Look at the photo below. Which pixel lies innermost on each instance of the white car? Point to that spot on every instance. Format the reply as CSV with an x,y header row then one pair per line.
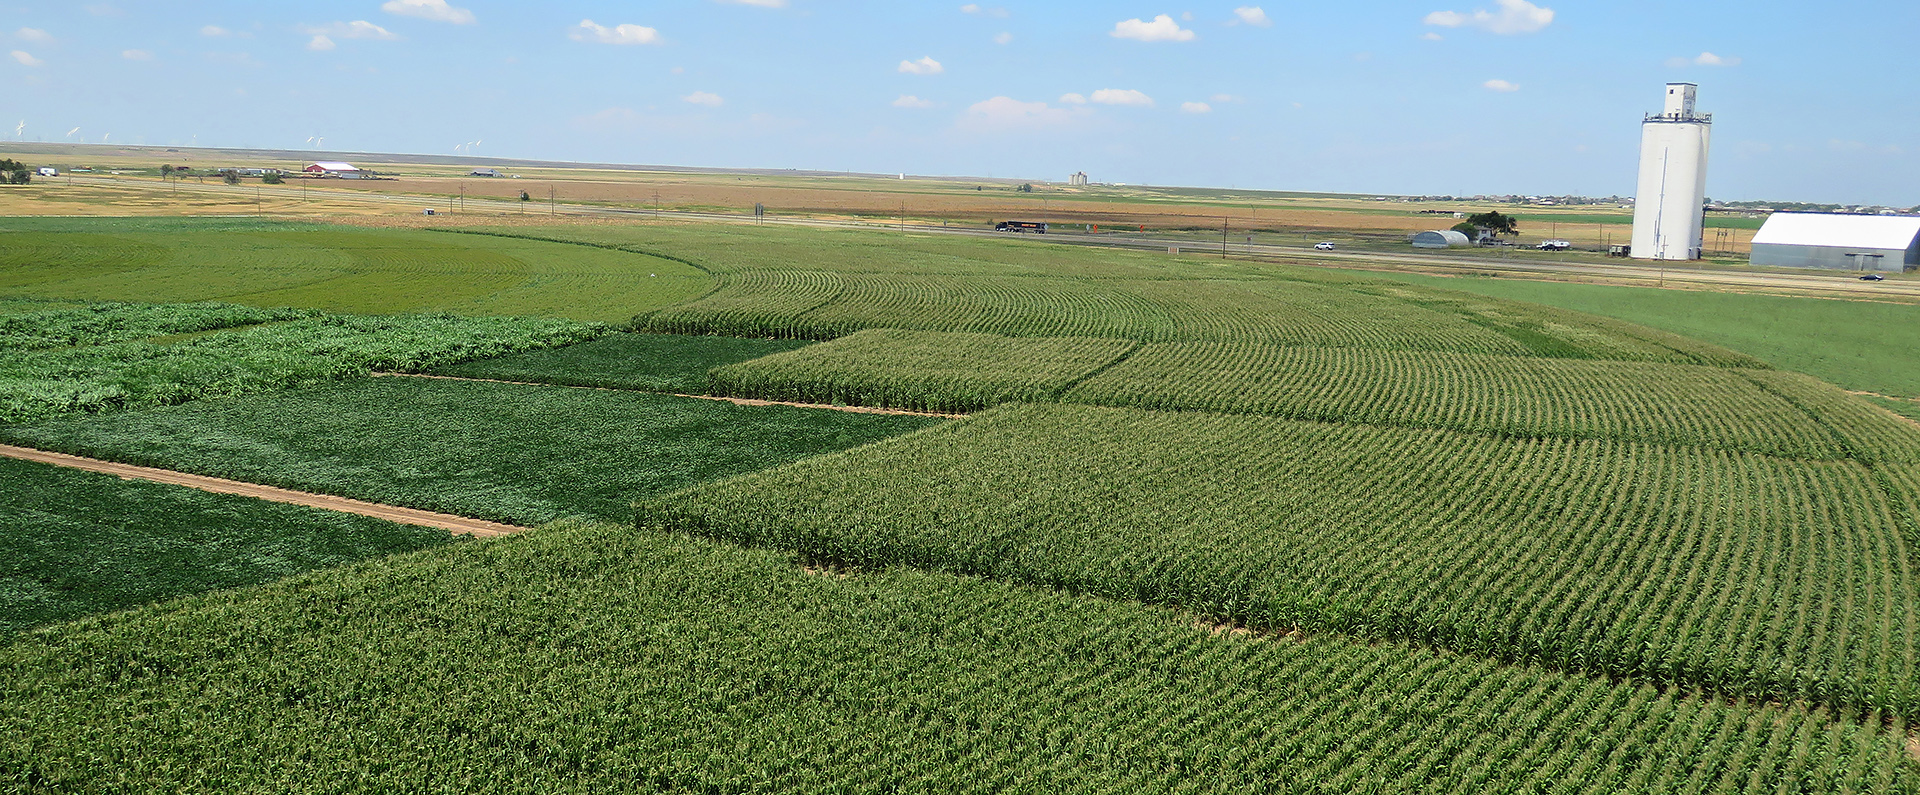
x,y
1323,247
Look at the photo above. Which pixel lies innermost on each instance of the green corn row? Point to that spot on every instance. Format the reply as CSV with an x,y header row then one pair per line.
x,y
928,371
1752,410
601,660
1746,575
811,303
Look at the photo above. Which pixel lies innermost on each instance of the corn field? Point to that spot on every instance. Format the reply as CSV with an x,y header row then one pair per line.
x,y
1743,575
598,660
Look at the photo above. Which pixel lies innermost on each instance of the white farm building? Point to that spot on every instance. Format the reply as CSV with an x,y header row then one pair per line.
x,y
1838,242
1441,238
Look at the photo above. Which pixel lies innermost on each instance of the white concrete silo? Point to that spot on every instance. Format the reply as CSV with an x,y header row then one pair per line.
x,y
1670,205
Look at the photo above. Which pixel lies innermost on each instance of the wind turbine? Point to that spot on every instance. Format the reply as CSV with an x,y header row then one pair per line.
x,y
20,128
73,132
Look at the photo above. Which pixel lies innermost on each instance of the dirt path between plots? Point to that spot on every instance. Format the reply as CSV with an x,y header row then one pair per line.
x,y
734,400
458,525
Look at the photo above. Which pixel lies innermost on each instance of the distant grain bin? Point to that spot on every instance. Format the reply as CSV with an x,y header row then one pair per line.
x,y
1440,238
1670,204
1077,179
1838,242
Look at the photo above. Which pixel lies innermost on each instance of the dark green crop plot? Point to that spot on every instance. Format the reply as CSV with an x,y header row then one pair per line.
x,y
598,660
163,371
1746,575
507,452
96,324
929,371
651,362
74,543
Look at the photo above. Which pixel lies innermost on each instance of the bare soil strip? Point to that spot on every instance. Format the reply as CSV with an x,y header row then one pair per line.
x,y
458,525
734,400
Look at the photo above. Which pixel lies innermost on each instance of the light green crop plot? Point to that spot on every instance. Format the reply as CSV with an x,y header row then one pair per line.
x,y
339,269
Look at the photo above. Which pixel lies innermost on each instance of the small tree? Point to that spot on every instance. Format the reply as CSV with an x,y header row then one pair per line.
x,y
1472,232
14,172
525,197
1495,223
166,171
230,177
273,179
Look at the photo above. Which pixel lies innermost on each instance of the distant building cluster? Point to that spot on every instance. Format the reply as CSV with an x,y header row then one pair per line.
x,y
1078,179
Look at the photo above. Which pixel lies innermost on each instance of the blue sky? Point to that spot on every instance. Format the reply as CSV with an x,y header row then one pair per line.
x,y
1812,101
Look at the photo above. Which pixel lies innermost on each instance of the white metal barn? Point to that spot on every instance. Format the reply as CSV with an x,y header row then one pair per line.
x,y
1839,242
1441,238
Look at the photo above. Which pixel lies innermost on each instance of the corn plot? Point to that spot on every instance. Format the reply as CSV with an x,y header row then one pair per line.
x,y
929,371
600,660
93,378
1745,575
813,303
1635,401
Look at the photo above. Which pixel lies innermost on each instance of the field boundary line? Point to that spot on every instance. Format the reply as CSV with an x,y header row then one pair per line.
x,y
458,525
720,398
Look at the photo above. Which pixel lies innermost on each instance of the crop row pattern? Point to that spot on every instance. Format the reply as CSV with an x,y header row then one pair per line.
x,y
600,660
1747,575
929,371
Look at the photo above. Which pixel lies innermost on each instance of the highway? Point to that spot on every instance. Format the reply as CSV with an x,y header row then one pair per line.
x,y
1821,283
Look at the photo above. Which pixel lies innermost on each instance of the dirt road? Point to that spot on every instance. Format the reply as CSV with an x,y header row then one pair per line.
x,y
458,525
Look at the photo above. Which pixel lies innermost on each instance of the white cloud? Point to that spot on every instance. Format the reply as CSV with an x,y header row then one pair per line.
x,y
1512,16
1432,36
436,10
704,98
1223,98
1073,99
1003,37
974,8
33,34
1195,107
136,55
320,44
760,3
26,58
588,30
214,31
1162,28
924,66
911,101
970,8
1253,15
1501,86
1703,59
1121,96
1000,113
357,29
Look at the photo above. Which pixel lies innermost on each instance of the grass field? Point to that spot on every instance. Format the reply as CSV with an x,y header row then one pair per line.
x,y
333,268
650,362
77,543
596,660
1857,344
518,454
1657,564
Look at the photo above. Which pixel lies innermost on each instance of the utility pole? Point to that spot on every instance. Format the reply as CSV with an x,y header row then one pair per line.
x,y
1223,238
552,203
